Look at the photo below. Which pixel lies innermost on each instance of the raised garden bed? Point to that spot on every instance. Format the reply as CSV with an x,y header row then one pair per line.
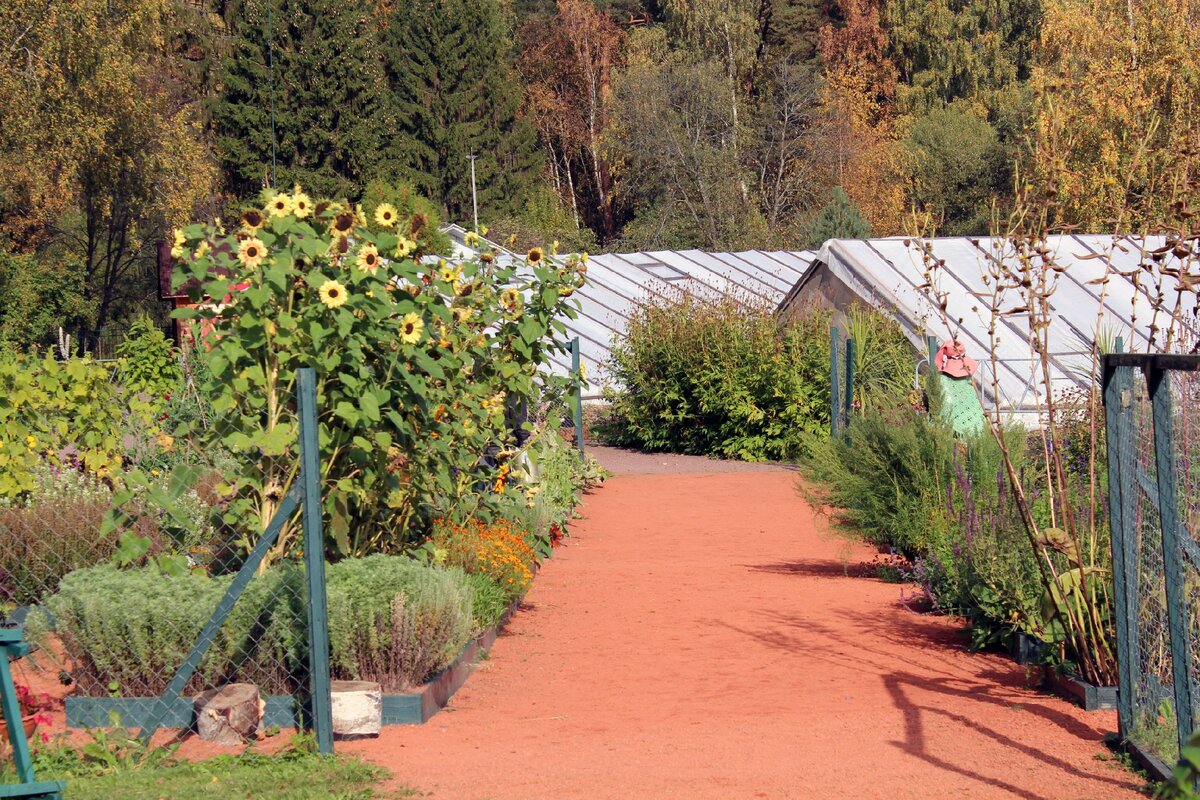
x,y
1090,697
286,711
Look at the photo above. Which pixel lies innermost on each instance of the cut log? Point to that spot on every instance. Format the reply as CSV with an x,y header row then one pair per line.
x,y
357,708
229,714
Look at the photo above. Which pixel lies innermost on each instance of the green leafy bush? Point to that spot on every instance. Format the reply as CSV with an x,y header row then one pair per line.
x,y
149,361
720,377
490,601
395,620
391,619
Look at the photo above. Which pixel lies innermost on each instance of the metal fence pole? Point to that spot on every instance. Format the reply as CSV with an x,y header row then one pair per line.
x,y
848,398
1159,381
1119,435
835,402
314,560
577,410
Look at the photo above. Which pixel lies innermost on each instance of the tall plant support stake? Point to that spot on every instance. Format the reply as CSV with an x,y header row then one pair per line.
x,y
1159,381
314,560
577,405
835,400
1122,504
11,646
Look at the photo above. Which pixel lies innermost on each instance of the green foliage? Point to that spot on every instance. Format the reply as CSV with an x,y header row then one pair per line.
x,y
396,621
116,764
414,363
149,361
543,219
1182,785
391,619
315,118
66,413
884,361
722,378
840,219
958,165
35,297
454,96
489,601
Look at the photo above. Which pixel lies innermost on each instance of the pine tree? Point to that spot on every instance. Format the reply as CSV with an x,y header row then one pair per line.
x,y
838,220
452,93
321,96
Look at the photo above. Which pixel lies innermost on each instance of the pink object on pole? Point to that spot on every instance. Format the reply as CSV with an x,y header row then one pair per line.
x,y
952,359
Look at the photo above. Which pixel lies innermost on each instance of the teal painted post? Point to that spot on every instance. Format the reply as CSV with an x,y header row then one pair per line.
x,y
577,406
1159,382
291,501
11,646
1118,415
931,343
835,400
314,560
848,398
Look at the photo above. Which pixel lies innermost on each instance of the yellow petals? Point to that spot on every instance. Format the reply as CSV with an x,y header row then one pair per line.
x,y
333,294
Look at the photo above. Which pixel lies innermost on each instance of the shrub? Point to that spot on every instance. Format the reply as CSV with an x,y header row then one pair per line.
x,y
149,361
722,378
396,621
391,620
497,549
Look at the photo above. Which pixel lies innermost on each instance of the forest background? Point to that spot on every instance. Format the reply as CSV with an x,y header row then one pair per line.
x,y
602,124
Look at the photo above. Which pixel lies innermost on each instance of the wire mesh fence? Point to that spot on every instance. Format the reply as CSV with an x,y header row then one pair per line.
x,y
1154,452
185,575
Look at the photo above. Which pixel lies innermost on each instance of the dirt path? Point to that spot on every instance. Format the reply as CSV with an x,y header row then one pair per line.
x,y
698,638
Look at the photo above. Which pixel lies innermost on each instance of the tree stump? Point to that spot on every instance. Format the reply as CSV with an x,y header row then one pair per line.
x,y
357,708
229,714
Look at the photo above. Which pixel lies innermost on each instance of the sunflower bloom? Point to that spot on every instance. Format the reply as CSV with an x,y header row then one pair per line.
x,y
448,274
280,205
510,299
534,255
460,313
404,247
411,328
301,204
333,294
343,223
253,220
177,247
386,214
368,259
251,252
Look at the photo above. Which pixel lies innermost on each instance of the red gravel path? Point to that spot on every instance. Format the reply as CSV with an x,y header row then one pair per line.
x,y
698,638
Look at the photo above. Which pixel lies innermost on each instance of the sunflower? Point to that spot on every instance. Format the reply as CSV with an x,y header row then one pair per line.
x,y
510,299
333,294
280,205
583,256
447,273
464,288
343,223
252,220
411,327
202,250
404,247
368,259
177,247
251,252
534,255
385,214
460,313
301,204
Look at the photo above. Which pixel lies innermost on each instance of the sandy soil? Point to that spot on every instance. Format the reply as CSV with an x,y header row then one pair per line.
x,y
698,637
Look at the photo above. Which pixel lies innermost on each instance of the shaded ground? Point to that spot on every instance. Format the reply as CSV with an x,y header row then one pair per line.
x,y
698,638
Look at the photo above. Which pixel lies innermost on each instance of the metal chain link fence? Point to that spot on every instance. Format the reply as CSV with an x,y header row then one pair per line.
x,y
119,541
1154,480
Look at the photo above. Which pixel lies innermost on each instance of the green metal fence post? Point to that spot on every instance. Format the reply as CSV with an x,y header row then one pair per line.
x,y
578,404
1159,381
931,343
1119,434
12,646
835,401
314,559
848,398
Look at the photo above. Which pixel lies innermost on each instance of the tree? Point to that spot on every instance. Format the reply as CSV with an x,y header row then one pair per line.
x,y
453,94
957,166
107,153
838,220
566,64
793,30
673,134
301,98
